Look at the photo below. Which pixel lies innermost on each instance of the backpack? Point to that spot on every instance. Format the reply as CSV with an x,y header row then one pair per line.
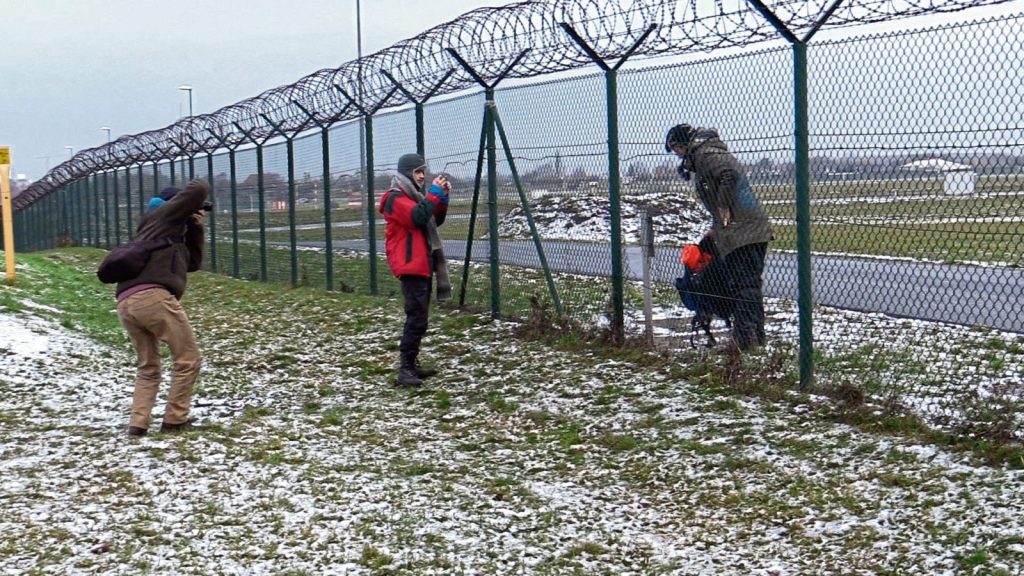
x,y
127,261
704,288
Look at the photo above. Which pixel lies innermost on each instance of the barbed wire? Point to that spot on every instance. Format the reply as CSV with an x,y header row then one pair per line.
x,y
519,40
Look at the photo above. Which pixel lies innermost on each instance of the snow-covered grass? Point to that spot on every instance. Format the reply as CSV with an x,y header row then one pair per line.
x,y
963,380
520,458
676,218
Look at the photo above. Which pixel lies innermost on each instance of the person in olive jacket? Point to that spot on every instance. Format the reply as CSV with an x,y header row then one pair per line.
x,y
415,254
740,228
150,310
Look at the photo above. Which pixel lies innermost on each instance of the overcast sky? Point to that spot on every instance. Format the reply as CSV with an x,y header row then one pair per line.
x,y
68,67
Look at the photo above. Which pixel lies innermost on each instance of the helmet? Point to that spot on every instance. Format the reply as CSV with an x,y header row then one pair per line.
x,y
678,135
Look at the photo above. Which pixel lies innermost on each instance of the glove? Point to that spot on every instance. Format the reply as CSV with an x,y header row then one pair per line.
x,y
437,195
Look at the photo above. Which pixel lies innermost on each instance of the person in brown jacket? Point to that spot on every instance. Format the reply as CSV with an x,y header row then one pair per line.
x,y
150,310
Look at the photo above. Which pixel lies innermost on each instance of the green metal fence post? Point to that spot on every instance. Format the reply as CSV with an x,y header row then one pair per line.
x,y
41,229
234,213
492,170
46,222
614,178
37,223
172,162
325,150
18,242
58,218
801,135
117,210
33,225
76,206
232,169
128,198
142,191
526,210
418,104
371,212
106,210
803,216
156,177
29,228
96,208
260,199
67,213
371,208
492,205
83,210
481,148
293,238
72,216
213,213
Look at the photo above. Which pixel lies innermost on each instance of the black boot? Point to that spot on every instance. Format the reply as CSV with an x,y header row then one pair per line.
x,y
422,372
407,373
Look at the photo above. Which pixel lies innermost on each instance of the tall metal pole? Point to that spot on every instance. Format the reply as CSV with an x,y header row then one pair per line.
x,y
359,99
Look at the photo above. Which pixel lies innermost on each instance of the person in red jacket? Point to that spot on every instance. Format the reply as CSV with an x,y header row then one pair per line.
x,y
415,254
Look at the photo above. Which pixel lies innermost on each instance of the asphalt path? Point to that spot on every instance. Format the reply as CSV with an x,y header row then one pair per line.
x,y
957,293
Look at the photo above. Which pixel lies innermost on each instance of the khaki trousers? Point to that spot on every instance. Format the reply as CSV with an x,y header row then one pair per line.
x,y
150,317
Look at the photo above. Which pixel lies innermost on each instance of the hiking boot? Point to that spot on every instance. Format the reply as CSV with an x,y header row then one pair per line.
x,y
136,431
408,377
186,426
422,372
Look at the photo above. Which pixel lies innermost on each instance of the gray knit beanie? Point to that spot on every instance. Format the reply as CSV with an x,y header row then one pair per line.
x,y
408,164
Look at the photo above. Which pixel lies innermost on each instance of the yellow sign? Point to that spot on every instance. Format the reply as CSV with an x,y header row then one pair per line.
x,y
5,207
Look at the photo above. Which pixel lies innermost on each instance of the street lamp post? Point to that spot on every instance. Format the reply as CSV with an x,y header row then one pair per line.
x,y
188,88
107,130
359,97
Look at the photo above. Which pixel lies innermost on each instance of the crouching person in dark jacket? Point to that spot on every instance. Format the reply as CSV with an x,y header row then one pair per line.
x,y
150,310
740,228
415,254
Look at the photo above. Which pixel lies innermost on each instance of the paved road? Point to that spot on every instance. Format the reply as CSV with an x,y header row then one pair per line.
x,y
961,294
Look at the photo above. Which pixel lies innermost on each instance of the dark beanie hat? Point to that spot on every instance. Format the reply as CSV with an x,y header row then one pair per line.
x,y
408,164
168,193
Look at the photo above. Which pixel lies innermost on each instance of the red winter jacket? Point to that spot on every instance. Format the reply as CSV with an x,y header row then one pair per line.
x,y
405,234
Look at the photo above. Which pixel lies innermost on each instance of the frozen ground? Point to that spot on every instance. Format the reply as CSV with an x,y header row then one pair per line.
x,y
518,459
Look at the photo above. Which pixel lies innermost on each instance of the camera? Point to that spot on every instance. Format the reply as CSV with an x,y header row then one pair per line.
x,y
207,206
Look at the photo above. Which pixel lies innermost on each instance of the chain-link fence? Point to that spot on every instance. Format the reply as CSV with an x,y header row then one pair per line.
x,y
907,278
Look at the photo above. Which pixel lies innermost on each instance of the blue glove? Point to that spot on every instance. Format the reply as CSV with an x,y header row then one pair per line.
x,y
437,195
